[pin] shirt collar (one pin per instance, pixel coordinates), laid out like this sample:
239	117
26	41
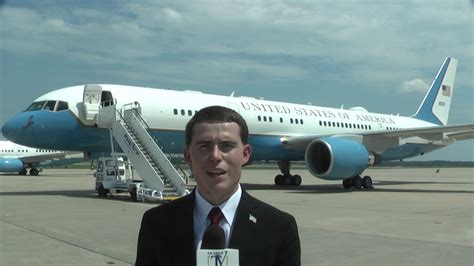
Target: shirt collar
228	207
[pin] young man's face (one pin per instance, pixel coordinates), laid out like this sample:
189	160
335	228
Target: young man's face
216	155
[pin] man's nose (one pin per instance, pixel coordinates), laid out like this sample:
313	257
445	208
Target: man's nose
216	153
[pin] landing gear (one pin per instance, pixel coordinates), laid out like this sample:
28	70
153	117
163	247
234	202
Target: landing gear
22	172
367	182
287	179
34	171
358	182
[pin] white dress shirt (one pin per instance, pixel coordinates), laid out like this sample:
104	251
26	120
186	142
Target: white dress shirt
202	209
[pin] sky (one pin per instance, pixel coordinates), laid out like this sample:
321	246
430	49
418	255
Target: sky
381	55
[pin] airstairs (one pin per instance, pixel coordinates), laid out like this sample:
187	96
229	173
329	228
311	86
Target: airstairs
161	179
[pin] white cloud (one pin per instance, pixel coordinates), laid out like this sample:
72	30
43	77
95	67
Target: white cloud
414	86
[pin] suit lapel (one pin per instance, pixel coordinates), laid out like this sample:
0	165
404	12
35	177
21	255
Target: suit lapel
185	233
244	224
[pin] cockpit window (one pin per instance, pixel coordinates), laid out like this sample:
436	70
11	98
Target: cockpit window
61	106
48	105
36	106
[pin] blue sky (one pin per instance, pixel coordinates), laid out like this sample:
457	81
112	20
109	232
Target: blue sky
381	55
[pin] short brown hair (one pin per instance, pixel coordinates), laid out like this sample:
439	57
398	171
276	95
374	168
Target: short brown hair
217	114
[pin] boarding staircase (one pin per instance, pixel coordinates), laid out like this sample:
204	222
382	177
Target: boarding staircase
161	179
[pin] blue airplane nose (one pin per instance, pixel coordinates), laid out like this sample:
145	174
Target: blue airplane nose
18	127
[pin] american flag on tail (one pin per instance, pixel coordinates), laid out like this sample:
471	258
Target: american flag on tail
446	90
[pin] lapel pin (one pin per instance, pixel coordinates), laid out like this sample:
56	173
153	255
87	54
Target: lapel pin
252	218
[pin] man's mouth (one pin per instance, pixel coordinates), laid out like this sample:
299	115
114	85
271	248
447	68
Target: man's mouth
215	173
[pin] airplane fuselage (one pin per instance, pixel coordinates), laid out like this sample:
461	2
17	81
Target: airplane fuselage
336	144
168	111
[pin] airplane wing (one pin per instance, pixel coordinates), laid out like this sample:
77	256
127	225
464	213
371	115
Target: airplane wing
427	132
379	140
41	158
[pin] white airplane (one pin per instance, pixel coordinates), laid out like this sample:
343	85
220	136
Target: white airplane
336	144
17	158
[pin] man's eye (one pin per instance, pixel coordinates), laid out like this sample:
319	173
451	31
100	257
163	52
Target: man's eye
203	146
227	146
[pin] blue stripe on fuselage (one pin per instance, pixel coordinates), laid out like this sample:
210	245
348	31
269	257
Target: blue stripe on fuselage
54	130
63	131
263	147
407	151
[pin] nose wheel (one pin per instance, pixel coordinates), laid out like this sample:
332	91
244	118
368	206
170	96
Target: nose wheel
286	179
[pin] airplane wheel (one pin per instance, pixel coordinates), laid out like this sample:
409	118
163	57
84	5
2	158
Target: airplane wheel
22	172
367	182
357	182
347	183
34	171
278	180
296	180
287	180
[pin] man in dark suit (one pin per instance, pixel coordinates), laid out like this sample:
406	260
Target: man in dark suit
216	149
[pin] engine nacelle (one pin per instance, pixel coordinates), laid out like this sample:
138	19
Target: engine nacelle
335	158
10	165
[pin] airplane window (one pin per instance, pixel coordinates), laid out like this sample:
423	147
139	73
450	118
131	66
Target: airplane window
281	120
270	119
36	106
49	105
370	127
324	123
291	120
183	112
264	119
301	121
175	111
190	113
320	123
259	118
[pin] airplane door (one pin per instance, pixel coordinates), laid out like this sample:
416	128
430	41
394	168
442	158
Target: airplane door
91	101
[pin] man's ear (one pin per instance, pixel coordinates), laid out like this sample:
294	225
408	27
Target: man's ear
247	153
187	156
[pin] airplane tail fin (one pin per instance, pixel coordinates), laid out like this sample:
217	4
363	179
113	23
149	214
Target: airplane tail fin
437	102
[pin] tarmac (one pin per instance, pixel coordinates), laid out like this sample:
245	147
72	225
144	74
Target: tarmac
412	217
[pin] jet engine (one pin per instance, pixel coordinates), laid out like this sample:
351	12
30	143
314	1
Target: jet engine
336	158
11	165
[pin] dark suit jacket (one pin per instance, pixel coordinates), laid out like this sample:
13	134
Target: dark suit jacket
167	234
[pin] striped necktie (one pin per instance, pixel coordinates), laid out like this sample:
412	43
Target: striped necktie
214	237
